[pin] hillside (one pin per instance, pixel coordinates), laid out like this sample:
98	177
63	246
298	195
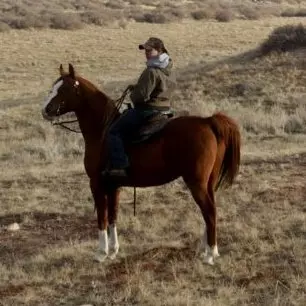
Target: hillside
261	219
75	14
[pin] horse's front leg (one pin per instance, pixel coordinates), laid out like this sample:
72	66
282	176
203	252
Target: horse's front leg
100	199
113	204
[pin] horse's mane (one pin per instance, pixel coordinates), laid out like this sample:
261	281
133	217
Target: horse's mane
110	112
93	88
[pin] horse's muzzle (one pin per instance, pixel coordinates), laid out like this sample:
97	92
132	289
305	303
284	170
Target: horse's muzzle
46	116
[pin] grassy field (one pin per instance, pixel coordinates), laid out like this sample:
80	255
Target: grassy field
261	219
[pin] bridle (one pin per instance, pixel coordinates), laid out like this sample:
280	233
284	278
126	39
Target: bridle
108	121
62	123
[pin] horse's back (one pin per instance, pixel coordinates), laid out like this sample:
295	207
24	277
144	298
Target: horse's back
176	128
187	146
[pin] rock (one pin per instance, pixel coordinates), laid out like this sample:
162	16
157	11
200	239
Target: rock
13	227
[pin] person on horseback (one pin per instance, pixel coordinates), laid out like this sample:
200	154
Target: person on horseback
150	95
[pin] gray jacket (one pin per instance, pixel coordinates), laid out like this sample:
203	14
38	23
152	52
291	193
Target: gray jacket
154	88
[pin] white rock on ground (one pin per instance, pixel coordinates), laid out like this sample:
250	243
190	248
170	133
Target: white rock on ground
13	227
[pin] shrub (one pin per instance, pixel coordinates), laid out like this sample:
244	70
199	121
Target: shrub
288	13
4	27
224	15
301	13
294	13
294	125
250	13
16	10
285	38
101	17
26	22
151	18
177	13
201	14
116	5
65	21
92	17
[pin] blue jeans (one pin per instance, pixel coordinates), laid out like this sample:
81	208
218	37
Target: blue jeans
121	131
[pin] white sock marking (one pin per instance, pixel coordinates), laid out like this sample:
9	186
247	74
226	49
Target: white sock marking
113	238
103	242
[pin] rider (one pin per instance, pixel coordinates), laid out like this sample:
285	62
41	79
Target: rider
150	95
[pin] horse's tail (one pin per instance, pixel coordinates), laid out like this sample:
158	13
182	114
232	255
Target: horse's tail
226	129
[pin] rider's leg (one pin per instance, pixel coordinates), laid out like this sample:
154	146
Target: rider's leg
120	131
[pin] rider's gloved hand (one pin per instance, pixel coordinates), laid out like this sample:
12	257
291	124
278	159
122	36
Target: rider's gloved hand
131	87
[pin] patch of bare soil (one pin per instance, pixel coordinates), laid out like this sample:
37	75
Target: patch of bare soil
44	230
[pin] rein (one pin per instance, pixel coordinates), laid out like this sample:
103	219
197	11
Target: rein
108	121
118	104
62	124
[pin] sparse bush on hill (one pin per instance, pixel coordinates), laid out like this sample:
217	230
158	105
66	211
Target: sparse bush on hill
116	5
4	26
151	18
250	13
44	13
29	21
92	17
294	13
66	21
177	12
285	38
294	125
201	14
100	17
224	15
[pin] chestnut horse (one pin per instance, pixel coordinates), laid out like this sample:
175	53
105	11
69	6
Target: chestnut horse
205	152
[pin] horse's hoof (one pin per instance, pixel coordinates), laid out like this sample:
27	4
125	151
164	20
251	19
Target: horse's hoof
215	252
112	256
100	257
113	252
209	260
209	254
204	252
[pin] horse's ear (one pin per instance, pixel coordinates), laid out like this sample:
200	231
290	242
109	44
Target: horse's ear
61	70
71	71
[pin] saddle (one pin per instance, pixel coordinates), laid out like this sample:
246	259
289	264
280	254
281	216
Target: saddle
155	124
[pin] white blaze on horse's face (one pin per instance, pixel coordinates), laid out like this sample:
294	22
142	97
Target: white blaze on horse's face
52	95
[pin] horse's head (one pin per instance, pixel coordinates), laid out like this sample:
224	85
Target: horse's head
64	96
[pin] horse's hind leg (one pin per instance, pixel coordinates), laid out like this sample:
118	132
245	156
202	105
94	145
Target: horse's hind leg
211	193
202	193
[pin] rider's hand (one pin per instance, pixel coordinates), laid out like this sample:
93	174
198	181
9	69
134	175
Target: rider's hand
131	87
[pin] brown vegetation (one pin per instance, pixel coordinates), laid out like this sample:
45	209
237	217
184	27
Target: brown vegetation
45	190
73	14
285	38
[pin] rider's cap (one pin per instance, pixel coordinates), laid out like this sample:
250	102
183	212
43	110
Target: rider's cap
153	43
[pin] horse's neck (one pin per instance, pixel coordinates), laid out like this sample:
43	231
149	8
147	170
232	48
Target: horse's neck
96	109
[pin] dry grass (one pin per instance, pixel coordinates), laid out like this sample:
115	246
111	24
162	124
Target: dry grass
72	14
261	220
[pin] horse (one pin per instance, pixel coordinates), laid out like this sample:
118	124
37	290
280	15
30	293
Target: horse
204	151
